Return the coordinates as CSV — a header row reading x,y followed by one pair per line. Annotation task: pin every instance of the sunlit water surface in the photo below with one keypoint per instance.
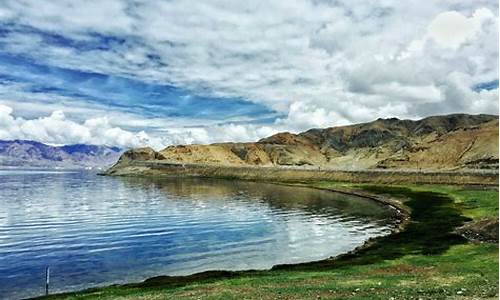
x,y
93,230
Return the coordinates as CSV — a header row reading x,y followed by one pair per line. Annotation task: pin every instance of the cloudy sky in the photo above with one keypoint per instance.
x,y
130,73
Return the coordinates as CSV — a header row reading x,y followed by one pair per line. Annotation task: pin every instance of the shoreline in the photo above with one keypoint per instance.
x,y
401,218
299,174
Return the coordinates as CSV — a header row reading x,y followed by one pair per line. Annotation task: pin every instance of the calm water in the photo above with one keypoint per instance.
x,y
94,230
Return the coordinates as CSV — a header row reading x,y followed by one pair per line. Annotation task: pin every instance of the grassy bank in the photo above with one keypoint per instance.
x,y
427,260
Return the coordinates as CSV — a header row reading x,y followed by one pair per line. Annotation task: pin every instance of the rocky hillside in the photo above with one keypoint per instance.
x,y
21,153
457,141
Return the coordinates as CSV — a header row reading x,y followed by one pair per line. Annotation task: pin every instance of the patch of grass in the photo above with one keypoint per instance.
x,y
408,277
426,261
477,204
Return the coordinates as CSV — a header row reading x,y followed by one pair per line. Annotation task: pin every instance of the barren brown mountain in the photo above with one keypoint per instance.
x,y
448,142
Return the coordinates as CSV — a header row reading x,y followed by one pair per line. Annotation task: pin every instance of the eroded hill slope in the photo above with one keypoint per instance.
x,y
456,141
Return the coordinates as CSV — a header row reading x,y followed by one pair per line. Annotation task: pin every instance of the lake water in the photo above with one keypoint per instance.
x,y
93,230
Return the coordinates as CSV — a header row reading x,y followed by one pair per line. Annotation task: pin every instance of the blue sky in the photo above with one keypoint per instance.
x,y
157,73
150,100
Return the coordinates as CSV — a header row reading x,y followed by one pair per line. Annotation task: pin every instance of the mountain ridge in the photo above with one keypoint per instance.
x,y
28,153
456,141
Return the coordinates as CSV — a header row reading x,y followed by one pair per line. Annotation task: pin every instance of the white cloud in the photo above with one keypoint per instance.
x,y
320,63
396,90
307,115
451,28
57,129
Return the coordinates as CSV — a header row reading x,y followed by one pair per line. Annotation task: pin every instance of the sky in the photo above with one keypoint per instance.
x,y
155,73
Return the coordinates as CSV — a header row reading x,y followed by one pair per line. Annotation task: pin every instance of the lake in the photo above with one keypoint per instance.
x,y
94,231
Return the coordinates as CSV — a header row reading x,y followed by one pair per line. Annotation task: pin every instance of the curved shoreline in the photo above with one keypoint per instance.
x,y
401,218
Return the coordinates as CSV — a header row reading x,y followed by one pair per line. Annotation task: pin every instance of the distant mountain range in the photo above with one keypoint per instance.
x,y
457,141
23,153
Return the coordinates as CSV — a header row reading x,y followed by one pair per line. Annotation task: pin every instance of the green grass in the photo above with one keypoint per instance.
x,y
426,261
474,201
476,204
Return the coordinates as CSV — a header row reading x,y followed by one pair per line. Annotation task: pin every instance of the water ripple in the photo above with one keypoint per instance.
x,y
94,230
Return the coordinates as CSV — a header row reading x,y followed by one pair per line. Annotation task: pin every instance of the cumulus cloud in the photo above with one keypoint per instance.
x,y
451,28
57,129
318,63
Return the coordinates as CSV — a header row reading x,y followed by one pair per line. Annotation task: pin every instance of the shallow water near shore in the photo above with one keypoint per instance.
x,y
94,231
